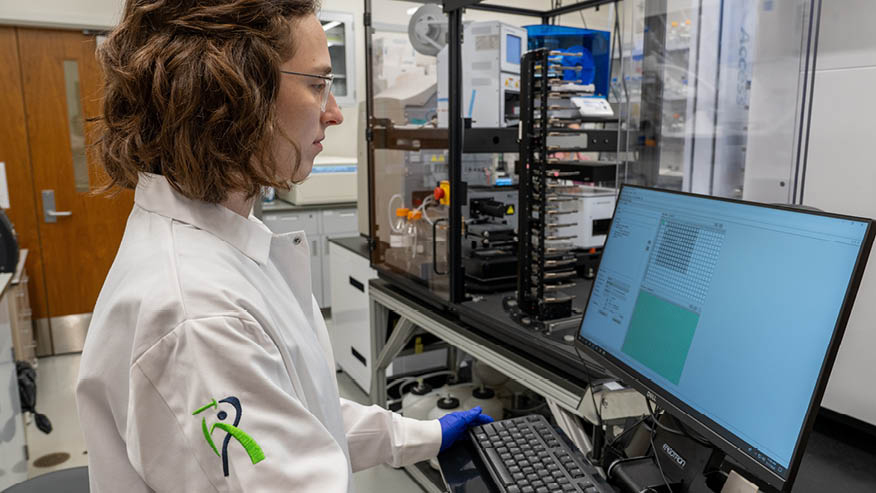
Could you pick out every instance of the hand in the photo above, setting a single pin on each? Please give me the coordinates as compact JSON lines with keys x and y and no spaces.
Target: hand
{"x":454,"y":425}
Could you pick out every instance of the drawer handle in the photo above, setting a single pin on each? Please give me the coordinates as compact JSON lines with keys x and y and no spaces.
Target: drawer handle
{"x":358,"y":356}
{"x":356,"y":284}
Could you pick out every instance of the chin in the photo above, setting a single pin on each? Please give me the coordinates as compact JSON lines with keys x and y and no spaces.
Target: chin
{"x":303,"y":171}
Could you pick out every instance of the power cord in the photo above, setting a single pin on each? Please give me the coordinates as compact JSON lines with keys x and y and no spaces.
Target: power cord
{"x":657,"y":460}
{"x":599,"y":427}
{"x":683,"y":433}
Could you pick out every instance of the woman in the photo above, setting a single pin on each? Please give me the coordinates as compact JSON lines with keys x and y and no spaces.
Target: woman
{"x":207,"y":365}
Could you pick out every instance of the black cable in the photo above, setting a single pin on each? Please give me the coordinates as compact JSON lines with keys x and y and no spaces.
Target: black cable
{"x":590,"y":384}
{"x":657,"y":460}
{"x":626,"y":430}
{"x":599,"y":427}
{"x":673,"y":431}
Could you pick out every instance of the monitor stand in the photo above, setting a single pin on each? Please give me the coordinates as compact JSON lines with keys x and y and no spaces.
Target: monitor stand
{"x":687,"y":466}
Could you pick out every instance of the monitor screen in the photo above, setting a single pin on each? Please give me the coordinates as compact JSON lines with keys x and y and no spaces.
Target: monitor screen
{"x":512,"y":49}
{"x":727,"y":310}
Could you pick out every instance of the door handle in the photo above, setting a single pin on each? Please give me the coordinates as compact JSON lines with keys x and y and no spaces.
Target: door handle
{"x":50,"y":215}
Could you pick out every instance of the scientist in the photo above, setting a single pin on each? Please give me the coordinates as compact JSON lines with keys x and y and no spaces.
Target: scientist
{"x":207,"y":365}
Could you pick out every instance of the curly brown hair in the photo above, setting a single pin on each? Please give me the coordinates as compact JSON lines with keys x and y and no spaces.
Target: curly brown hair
{"x":190,"y":93}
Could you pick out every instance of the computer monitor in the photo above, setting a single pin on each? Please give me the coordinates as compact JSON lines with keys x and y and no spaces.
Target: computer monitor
{"x":729,"y":314}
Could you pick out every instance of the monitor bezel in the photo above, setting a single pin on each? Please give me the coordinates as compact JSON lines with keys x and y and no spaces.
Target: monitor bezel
{"x":714,"y":432}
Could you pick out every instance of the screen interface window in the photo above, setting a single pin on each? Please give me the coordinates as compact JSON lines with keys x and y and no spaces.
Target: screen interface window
{"x":512,"y":49}
{"x":729,"y":307}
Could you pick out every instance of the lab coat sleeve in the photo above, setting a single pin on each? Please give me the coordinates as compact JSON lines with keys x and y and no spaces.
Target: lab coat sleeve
{"x":379,"y":436}
{"x":227,"y":368}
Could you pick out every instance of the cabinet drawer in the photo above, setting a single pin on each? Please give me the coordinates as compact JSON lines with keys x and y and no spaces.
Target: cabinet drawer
{"x":288,"y":222}
{"x":339,"y":221}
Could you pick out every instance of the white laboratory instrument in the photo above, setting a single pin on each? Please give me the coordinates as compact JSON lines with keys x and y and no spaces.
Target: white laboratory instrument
{"x":595,"y":207}
{"x":491,"y":54}
{"x":333,"y":180}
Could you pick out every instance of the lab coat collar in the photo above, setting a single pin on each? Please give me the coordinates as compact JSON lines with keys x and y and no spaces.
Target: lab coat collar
{"x":248,"y":235}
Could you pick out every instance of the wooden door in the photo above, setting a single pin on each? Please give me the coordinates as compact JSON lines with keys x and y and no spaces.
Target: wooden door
{"x":16,"y":158}
{"x":62,"y":88}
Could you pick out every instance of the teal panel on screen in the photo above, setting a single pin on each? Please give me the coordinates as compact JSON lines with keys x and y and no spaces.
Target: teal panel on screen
{"x":660,"y":335}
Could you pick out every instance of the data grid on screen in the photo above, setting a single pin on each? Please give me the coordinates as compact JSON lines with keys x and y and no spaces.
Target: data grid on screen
{"x":684,"y":261}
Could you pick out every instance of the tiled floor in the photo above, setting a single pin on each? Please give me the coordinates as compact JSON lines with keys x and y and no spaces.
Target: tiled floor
{"x":56,"y":382}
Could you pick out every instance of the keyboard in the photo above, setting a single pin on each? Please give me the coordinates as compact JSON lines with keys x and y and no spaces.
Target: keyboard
{"x":526,"y":455}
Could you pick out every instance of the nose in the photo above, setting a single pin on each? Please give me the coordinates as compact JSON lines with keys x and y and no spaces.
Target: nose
{"x":332,"y":114}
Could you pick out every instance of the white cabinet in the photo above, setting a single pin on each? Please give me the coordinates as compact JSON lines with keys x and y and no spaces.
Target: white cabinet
{"x":319,"y":226}
{"x":350,"y":328}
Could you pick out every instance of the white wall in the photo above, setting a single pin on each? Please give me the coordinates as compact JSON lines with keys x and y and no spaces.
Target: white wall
{"x":76,"y":14}
{"x":840,"y":177}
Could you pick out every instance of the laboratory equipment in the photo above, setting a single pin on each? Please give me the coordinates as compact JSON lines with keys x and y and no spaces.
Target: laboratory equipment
{"x":490,"y":244}
{"x":491,"y":53}
{"x":546,"y":261}
{"x":714,"y":309}
{"x":590,"y":209}
{"x":332,"y":180}
{"x":586,"y":50}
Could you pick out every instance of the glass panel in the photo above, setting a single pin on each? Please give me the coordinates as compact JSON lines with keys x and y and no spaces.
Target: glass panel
{"x":76,"y":125}
{"x":714,"y":90}
{"x":410,"y":159}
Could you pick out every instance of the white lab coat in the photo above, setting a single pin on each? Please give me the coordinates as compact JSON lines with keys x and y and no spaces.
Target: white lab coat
{"x":203,"y":304}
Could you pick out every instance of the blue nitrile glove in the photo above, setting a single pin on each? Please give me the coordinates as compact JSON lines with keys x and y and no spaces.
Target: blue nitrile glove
{"x":454,"y":425}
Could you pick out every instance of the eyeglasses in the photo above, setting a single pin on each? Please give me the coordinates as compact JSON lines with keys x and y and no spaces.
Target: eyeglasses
{"x":326,"y":89}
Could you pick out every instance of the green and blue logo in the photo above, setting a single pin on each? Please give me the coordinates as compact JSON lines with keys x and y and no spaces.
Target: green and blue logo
{"x":232,"y":431}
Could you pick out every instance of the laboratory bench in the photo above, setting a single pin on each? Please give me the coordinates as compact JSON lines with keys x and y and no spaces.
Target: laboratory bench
{"x":839,"y":455}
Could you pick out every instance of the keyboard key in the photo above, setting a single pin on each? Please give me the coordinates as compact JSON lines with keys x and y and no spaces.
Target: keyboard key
{"x":513,"y":489}
{"x":502,"y":450}
{"x":558,"y":474}
{"x":543,"y":489}
{"x":563,"y":480}
{"x":527,"y":489}
{"x":528,"y":470}
{"x":517,"y":477}
{"x":552,"y":466}
{"x":532,"y":477}
{"x":514,"y":469}
{"x":569,"y":487}
{"x":537,"y":485}
{"x":500,"y":468}
{"x":576,"y":473}
{"x":553,"y":486}
{"x":505,"y":456}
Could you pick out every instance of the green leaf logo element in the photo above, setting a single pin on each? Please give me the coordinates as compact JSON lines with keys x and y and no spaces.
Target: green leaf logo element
{"x":249,"y":444}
